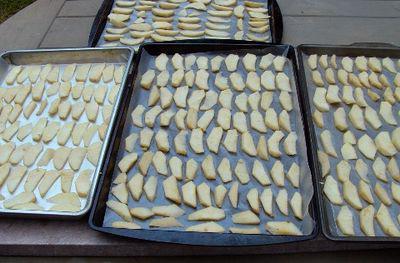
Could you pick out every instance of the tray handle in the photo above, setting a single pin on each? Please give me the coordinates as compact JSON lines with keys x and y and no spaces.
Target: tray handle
{"x":372,"y":44}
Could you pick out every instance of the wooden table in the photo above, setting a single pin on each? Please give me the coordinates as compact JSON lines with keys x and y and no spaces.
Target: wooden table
{"x":74,"y":238}
{"x":305,"y":21}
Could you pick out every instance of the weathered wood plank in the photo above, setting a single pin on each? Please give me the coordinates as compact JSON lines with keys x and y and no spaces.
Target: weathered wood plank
{"x":25,"y":237}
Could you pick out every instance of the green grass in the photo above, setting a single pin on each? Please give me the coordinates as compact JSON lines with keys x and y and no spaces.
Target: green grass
{"x":10,"y":7}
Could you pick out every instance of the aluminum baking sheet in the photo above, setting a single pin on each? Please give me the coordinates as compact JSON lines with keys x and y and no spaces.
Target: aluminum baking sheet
{"x":329,"y":212}
{"x":266,"y":37}
{"x":146,"y":61}
{"x":62,"y":57}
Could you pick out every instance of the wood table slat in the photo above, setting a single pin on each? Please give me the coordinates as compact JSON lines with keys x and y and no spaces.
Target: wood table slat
{"x":23,"y":237}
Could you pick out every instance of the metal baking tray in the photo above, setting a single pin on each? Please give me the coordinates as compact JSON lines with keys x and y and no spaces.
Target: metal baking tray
{"x":327,"y":219}
{"x":100,"y":21}
{"x":99,"y":214}
{"x":117,"y":56}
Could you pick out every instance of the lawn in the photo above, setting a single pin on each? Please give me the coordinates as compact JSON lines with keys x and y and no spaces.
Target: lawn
{"x":10,"y":7}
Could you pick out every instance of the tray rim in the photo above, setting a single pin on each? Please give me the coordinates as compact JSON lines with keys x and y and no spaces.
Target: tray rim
{"x":273,"y":239}
{"x":316,"y":171}
{"x":89,"y":203}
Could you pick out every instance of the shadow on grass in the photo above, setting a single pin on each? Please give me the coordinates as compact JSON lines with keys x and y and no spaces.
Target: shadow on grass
{"x":10,"y":7}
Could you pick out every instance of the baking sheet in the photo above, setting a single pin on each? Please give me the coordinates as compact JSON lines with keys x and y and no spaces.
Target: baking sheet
{"x":330,"y":211}
{"x":202,"y":15}
{"x":141,"y":95}
{"x":62,"y":57}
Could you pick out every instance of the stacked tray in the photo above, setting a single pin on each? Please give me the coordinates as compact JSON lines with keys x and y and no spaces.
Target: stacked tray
{"x":56,"y":107}
{"x":125,"y":23}
{"x":351,"y":98}
{"x":148,"y":188}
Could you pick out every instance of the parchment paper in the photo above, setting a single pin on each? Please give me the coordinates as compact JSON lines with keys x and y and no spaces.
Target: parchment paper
{"x":140,"y":96}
